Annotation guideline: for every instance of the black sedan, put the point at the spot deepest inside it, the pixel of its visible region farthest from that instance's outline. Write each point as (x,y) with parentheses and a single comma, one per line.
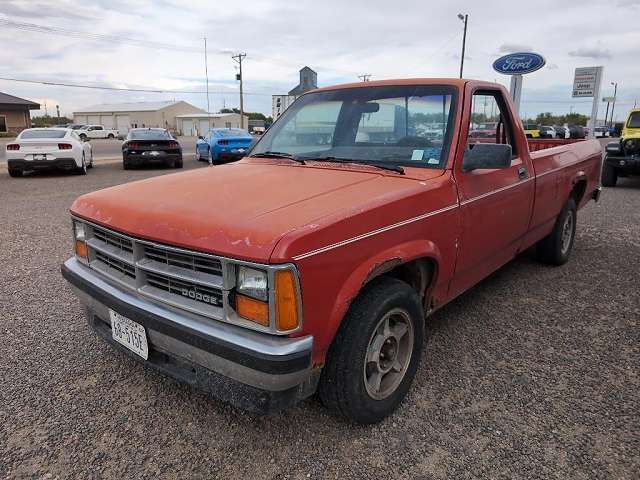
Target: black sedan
(151,146)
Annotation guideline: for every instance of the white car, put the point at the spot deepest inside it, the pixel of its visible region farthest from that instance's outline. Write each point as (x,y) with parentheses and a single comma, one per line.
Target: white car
(601,132)
(96,131)
(48,148)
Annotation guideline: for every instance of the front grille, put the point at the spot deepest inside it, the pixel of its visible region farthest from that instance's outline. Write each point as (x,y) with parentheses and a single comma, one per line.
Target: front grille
(188,280)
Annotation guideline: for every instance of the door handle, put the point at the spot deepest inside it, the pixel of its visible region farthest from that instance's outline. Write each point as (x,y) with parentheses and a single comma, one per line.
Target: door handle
(522,173)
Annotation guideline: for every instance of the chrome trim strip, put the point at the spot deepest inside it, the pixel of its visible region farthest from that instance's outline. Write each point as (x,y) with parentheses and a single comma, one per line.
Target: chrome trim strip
(373,232)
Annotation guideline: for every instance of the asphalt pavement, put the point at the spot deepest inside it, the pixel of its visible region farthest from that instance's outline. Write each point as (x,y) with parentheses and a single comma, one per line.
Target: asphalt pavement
(534,373)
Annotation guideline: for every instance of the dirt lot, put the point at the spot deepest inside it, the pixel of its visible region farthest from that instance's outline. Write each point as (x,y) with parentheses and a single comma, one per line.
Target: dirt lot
(532,374)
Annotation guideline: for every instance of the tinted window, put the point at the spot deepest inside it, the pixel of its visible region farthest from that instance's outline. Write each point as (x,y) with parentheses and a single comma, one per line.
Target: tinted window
(43,133)
(231,132)
(3,123)
(151,134)
(634,120)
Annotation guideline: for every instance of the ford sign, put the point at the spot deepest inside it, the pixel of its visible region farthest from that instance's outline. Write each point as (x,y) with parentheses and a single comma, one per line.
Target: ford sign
(519,63)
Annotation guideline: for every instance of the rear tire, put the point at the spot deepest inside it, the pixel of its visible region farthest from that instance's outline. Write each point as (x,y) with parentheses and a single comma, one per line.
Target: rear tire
(556,247)
(126,164)
(609,175)
(82,169)
(15,172)
(178,163)
(111,136)
(372,361)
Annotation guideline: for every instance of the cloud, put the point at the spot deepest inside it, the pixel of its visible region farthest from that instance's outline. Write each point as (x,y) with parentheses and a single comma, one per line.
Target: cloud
(591,52)
(41,10)
(514,47)
(629,3)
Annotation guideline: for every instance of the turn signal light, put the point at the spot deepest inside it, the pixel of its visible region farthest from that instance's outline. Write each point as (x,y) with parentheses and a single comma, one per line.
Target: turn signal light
(13,146)
(81,249)
(286,301)
(253,310)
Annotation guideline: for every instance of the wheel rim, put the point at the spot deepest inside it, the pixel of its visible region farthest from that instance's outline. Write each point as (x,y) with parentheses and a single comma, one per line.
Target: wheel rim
(388,354)
(567,232)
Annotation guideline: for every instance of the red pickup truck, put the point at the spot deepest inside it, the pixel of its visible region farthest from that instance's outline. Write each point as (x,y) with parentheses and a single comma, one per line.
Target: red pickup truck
(312,264)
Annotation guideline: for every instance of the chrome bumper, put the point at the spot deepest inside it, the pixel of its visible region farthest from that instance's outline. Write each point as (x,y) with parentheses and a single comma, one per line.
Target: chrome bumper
(259,360)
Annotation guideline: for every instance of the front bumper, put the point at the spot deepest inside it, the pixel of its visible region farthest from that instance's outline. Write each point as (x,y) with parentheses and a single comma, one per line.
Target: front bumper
(251,370)
(626,163)
(58,163)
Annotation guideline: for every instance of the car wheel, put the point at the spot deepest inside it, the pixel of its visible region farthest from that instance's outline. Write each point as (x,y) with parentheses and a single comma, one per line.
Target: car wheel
(83,137)
(90,161)
(609,175)
(556,247)
(126,164)
(178,163)
(111,136)
(374,357)
(15,172)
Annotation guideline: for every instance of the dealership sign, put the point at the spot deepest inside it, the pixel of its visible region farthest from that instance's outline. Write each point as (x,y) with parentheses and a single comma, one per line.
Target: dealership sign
(585,81)
(519,63)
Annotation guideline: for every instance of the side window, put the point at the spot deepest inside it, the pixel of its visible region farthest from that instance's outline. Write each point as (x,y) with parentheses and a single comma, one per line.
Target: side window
(489,122)
(99,128)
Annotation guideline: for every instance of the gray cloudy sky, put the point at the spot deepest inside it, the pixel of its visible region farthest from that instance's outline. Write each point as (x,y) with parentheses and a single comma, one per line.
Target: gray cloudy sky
(339,39)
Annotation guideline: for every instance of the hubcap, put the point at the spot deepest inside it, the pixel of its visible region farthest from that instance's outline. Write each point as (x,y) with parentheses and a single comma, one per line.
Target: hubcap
(567,232)
(388,354)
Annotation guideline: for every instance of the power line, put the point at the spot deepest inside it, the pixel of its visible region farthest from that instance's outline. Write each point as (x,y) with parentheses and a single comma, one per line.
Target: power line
(124,89)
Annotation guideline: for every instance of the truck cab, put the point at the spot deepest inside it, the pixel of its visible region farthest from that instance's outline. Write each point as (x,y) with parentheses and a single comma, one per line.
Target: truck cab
(623,156)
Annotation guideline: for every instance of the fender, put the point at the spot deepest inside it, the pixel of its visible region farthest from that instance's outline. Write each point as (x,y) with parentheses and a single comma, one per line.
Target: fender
(376,265)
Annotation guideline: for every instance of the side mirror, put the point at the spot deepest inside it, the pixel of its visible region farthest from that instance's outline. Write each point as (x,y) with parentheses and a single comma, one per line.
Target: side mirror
(200,137)
(486,156)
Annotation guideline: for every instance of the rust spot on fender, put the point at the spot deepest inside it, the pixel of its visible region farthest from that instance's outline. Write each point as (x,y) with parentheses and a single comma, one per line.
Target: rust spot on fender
(382,267)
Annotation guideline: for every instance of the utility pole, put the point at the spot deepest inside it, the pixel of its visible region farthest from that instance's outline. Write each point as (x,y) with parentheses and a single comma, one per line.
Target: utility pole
(239,58)
(206,72)
(365,77)
(613,105)
(58,112)
(464,18)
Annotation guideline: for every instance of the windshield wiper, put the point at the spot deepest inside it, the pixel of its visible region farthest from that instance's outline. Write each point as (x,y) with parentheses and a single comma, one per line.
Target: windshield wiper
(270,154)
(391,168)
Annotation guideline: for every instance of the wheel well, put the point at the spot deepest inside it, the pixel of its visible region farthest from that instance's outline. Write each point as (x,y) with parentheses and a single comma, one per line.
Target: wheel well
(420,274)
(578,191)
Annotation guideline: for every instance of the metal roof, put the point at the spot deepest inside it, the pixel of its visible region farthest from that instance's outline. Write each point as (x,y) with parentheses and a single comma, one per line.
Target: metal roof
(7,99)
(127,107)
(204,115)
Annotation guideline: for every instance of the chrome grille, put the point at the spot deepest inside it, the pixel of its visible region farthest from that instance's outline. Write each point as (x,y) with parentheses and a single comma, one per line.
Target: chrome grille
(192,281)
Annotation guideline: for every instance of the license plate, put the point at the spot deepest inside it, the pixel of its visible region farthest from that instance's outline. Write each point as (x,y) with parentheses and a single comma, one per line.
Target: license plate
(129,333)
(40,157)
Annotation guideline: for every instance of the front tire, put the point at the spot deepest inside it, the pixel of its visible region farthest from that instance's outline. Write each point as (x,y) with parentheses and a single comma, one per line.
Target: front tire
(374,357)
(556,247)
(609,175)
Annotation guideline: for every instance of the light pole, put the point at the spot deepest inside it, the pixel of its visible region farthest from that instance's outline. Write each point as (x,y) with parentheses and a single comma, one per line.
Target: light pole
(464,18)
(613,105)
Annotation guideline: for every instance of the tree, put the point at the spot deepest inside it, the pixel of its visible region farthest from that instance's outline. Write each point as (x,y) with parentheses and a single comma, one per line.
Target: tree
(48,120)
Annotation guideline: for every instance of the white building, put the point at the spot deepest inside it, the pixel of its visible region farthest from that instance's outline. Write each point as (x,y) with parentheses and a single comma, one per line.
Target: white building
(195,124)
(308,81)
(123,116)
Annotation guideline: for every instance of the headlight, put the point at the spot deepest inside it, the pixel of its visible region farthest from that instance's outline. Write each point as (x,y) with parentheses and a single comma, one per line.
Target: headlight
(253,283)
(79,240)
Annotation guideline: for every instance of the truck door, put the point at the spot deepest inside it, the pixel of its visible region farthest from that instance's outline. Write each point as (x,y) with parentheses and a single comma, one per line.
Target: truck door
(495,204)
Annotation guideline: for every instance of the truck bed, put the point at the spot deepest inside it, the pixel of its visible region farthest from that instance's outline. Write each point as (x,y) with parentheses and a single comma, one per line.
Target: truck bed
(536,144)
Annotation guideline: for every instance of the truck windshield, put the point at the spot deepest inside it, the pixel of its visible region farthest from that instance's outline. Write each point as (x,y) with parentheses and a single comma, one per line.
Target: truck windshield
(634,120)
(388,125)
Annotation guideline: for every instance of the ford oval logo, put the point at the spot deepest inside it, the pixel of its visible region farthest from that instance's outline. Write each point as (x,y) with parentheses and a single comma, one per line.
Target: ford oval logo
(519,63)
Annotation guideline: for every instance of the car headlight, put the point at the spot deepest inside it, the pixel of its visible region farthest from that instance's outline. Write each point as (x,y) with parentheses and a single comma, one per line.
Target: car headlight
(253,283)
(80,246)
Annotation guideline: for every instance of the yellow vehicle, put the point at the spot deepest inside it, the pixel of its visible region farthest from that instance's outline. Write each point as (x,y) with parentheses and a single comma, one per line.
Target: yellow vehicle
(622,157)
(531,130)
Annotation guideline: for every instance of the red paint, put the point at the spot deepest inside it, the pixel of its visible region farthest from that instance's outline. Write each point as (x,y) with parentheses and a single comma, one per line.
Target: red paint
(336,223)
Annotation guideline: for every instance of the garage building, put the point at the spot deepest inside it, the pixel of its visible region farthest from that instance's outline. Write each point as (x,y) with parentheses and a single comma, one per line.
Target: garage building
(124,116)
(194,124)
(14,113)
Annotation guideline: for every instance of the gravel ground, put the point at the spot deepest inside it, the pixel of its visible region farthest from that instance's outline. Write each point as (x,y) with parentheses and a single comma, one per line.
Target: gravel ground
(531,374)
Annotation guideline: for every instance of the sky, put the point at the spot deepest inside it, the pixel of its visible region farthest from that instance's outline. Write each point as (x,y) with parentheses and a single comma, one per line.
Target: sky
(159,45)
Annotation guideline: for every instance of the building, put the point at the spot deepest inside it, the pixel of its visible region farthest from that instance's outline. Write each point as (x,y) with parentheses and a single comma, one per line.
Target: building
(195,124)
(124,116)
(14,113)
(308,81)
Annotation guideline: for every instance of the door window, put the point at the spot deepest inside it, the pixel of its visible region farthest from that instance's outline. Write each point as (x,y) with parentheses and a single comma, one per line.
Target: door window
(489,121)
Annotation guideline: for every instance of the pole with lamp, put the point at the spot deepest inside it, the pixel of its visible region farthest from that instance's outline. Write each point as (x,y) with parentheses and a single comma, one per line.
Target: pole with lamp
(463,18)
(613,105)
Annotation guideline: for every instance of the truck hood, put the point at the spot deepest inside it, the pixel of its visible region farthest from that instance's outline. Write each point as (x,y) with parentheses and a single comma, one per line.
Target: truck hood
(238,210)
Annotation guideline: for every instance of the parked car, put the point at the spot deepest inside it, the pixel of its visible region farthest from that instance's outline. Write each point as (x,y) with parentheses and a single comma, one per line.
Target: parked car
(145,146)
(224,144)
(311,266)
(96,131)
(622,157)
(47,149)
(484,130)
(547,132)
(601,132)
(577,131)
(561,131)
(531,130)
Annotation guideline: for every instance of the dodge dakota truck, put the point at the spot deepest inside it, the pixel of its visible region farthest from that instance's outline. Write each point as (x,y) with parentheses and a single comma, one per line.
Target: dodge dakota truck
(312,264)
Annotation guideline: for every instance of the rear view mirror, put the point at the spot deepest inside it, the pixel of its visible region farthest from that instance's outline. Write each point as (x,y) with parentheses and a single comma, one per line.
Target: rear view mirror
(486,156)
(369,107)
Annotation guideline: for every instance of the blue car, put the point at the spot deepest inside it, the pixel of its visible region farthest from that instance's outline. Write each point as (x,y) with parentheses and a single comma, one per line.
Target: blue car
(224,145)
